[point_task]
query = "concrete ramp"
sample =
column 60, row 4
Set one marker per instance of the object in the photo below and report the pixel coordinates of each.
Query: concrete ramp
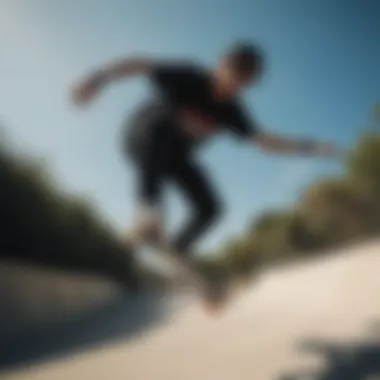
column 316, row 320
column 31, row 294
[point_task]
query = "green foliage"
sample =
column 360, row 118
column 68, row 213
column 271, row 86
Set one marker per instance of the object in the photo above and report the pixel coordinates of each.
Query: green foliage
column 337, row 210
column 331, row 212
column 364, row 164
column 42, row 224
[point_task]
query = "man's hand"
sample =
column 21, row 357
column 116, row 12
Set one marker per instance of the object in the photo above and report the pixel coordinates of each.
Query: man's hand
column 84, row 92
column 328, row 150
column 281, row 145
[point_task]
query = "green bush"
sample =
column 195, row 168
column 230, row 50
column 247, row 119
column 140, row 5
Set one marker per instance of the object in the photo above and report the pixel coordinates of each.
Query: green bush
column 331, row 212
column 42, row 224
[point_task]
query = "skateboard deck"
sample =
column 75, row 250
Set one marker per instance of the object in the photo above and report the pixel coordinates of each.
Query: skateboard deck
column 212, row 293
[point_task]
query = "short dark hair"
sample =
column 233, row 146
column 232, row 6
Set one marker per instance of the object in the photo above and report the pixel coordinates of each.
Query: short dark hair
column 246, row 58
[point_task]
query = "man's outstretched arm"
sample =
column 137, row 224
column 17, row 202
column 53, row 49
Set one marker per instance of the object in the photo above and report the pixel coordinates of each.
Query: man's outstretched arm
column 277, row 144
column 90, row 86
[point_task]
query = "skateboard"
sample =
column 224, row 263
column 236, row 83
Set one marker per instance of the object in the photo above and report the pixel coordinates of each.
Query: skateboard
column 214, row 293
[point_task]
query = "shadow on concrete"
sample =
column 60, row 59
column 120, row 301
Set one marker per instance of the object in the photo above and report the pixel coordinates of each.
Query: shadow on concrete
column 121, row 318
column 359, row 360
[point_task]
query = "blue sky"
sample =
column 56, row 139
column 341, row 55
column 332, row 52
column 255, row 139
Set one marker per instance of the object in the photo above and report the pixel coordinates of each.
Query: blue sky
column 323, row 78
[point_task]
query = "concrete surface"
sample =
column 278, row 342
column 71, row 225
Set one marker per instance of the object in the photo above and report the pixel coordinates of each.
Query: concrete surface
column 317, row 319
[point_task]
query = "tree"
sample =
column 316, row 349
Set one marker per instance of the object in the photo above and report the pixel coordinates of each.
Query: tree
column 42, row 224
column 330, row 212
column 337, row 210
column 364, row 165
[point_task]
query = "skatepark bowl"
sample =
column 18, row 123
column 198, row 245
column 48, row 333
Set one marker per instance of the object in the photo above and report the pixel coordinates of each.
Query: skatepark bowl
column 313, row 319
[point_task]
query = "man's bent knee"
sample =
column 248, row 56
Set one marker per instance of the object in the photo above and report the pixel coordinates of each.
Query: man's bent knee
column 210, row 212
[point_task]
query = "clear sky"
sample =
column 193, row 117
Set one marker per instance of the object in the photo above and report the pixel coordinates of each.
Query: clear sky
column 323, row 77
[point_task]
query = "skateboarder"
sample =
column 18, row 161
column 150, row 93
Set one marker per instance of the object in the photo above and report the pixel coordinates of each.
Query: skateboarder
column 191, row 104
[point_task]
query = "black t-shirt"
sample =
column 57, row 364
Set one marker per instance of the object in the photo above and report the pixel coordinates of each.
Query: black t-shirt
column 189, row 87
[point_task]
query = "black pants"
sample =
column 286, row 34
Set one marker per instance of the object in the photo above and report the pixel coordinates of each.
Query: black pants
column 162, row 154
